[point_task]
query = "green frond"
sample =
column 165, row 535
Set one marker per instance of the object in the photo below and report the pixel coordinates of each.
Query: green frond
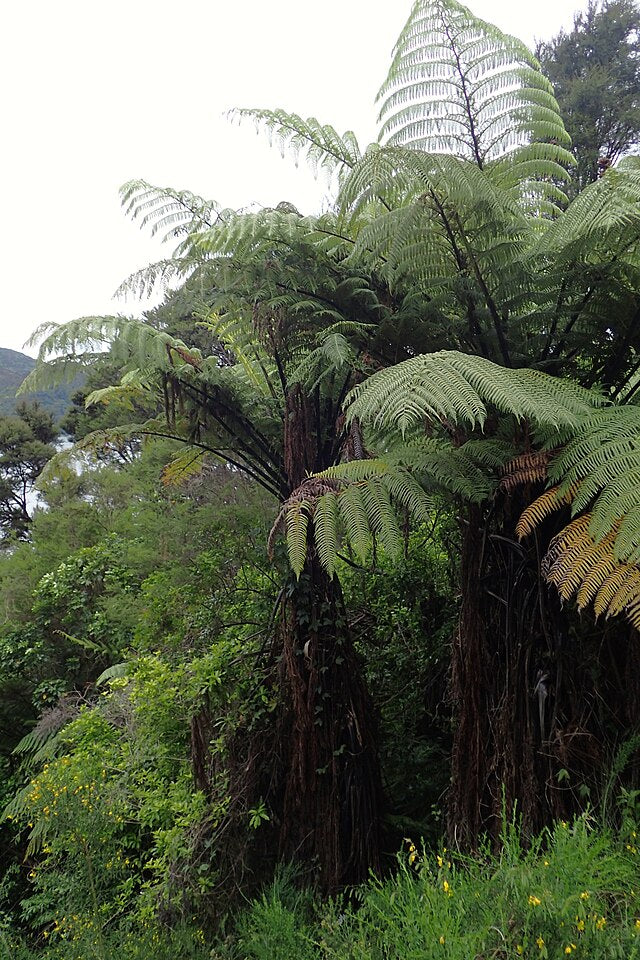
column 438, row 465
column 601, row 466
column 114, row 672
column 136, row 344
column 322, row 147
column 355, row 520
column 125, row 393
column 458, row 85
column 237, row 332
column 353, row 502
column 156, row 277
column 174, row 214
column 297, row 523
column 455, row 387
column 333, row 353
column 383, row 520
column 605, row 216
column 325, row 529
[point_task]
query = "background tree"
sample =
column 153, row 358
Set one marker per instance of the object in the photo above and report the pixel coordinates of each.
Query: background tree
column 595, row 72
column 25, row 447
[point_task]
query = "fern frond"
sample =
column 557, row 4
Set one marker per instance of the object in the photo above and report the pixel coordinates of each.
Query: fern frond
column 601, row 468
column 525, row 468
column 325, row 526
column 175, row 214
column 297, row 522
column 157, row 276
column 459, row 85
column 621, row 578
column 541, row 508
column 356, row 500
column 182, row 467
column 322, row 147
column 581, row 567
column 459, row 388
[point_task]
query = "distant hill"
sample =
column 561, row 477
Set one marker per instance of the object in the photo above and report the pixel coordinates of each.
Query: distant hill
column 14, row 367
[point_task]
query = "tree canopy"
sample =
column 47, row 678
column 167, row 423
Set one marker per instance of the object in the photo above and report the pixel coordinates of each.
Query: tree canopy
column 595, row 72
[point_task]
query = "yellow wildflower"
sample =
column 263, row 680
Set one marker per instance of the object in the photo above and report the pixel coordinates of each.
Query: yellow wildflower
column 534, row 901
column 540, row 942
column 441, row 940
column 584, row 895
column 570, row 948
column 601, row 923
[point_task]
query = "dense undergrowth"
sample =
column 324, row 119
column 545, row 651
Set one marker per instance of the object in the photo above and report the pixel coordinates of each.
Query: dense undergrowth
column 136, row 671
column 575, row 891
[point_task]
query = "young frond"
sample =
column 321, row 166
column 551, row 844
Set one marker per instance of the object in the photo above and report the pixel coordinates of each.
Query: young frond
column 333, row 353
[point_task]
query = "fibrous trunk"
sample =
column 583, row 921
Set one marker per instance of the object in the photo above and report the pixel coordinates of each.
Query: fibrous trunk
column 542, row 698
column 331, row 807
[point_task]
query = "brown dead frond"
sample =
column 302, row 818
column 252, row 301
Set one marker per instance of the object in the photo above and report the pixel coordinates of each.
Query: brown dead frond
column 541, row 508
column 526, row 468
column 581, row 567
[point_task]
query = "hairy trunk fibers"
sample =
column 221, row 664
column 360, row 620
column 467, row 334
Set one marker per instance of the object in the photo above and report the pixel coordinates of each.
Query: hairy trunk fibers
column 331, row 806
column 542, row 698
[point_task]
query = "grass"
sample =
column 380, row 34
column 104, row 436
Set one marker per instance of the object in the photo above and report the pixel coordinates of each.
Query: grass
column 574, row 893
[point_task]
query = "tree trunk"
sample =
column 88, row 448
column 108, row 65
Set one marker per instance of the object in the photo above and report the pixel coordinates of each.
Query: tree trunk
column 542, row 698
column 331, row 805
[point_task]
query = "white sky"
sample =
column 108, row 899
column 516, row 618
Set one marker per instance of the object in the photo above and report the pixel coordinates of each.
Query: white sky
column 96, row 93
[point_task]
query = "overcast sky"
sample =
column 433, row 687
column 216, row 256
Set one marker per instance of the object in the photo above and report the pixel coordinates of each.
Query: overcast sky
column 93, row 94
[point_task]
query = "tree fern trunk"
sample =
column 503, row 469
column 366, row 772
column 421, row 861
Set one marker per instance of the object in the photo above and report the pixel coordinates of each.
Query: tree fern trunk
column 331, row 805
column 542, row 698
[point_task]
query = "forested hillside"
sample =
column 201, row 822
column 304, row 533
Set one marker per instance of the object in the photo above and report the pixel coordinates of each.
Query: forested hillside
column 323, row 639
column 14, row 367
